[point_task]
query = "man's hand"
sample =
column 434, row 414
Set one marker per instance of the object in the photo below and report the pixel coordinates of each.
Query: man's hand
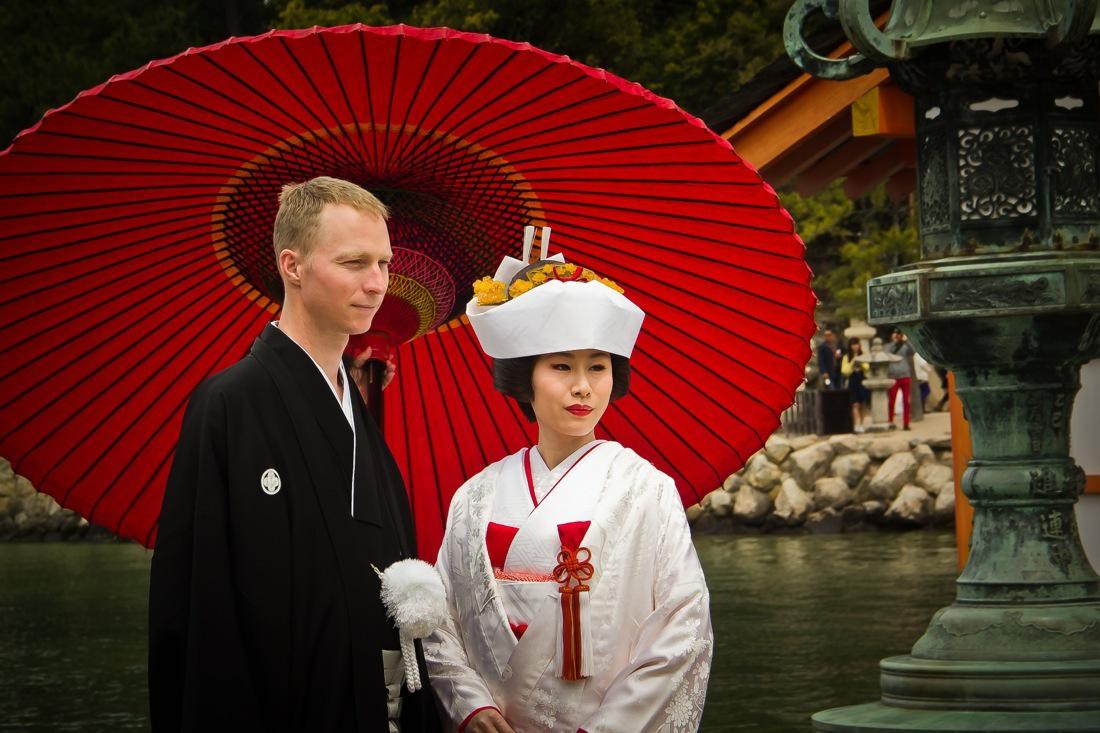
column 359, row 372
column 488, row 721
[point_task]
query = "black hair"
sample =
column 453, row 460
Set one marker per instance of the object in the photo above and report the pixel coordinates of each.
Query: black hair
column 513, row 378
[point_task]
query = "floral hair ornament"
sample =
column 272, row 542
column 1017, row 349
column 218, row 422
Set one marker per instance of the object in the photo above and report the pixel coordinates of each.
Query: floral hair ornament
column 550, row 306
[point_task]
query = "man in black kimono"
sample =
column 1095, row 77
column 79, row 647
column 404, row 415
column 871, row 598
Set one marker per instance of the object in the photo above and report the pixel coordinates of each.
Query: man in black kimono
column 265, row 614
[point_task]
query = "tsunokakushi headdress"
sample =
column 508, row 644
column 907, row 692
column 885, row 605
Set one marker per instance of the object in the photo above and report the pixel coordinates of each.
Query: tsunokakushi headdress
column 550, row 306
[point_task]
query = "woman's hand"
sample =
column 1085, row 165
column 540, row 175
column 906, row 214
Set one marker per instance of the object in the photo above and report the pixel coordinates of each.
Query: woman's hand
column 488, row 721
column 358, row 372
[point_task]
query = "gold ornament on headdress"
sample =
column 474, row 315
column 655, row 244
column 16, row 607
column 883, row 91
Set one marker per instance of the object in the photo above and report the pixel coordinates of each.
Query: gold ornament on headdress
column 488, row 291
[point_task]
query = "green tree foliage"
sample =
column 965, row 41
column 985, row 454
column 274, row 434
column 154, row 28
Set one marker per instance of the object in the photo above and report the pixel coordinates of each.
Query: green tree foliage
column 692, row 51
column 849, row 242
column 53, row 50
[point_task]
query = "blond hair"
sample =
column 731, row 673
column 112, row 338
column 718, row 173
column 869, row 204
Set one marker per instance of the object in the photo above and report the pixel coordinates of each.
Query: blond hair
column 300, row 206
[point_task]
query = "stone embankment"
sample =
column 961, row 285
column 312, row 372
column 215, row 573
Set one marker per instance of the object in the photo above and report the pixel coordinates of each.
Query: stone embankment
column 842, row 483
column 26, row 515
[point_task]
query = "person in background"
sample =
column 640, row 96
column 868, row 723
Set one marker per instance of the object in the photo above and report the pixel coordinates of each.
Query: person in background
column 828, row 354
column 901, row 372
column 853, row 373
column 922, row 369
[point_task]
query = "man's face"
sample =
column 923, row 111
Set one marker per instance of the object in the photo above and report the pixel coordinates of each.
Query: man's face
column 830, row 338
column 344, row 277
column 896, row 335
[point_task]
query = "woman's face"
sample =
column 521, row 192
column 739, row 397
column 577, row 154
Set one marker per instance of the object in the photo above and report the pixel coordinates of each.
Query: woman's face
column 571, row 391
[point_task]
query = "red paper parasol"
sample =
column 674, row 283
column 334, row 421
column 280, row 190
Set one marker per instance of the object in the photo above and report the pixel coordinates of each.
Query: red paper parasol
column 136, row 253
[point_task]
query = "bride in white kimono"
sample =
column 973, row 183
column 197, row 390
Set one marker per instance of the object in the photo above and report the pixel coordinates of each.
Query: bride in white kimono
column 576, row 599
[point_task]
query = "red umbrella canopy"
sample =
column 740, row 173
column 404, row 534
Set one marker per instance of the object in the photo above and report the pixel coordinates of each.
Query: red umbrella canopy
column 137, row 256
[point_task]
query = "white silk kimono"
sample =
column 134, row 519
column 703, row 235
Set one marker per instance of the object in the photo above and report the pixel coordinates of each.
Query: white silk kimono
column 648, row 610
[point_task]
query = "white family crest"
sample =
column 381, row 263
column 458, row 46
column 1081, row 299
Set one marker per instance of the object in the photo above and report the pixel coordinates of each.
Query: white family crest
column 270, row 482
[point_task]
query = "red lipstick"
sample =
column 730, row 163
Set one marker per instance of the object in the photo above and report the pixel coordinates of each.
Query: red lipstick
column 579, row 410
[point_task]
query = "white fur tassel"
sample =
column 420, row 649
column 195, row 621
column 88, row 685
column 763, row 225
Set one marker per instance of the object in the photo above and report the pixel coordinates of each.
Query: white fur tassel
column 415, row 599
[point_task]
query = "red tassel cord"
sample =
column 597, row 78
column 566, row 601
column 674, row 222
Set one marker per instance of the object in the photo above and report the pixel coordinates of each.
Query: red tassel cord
column 573, row 570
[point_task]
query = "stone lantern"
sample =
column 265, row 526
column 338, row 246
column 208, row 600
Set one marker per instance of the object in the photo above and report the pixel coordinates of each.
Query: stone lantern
column 860, row 330
column 1007, row 296
column 878, row 383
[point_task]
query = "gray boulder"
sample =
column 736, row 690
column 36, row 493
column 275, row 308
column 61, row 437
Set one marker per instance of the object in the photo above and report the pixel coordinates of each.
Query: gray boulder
column 825, row 521
column 943, row 511
column 792, row 504
column 851, row 467
column 809, row 464
column 911, row 508
column 761, row 473
column 777, row 448
column 873, row 510
column 923, row 453
column 832, row 492
column 885, row 447
column 751, row 506
column 720, row 503
column 896, row 471
column 847, row 443
column 802, row 441
column 934, row 477
column 733, row 482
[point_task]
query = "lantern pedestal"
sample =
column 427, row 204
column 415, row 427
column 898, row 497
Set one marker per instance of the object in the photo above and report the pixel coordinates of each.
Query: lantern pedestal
column 1007, row 296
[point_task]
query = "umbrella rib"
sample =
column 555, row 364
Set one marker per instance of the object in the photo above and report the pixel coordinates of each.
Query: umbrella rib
column 453, row 430
column 162, row 131
column 491, row 102
column 721, row 378
column 487, row 363
column 389, row 104
column 138, row 144
column 73, row 243
column 577, row 218
column 699, row 273
column 229, row 303
column 329, row 155
column 477, row 390
column 686, row 443
column 279, row 80
column 309, row 80
column 651, row 197
column 96, row 287
column 739, row 312
column 406, row 434
column 677, row 217
column 113, row 337
column 446, row 85
column 434, row 141
column 404, row 141
column 370, row 102
column 696, row 388
column 344, row 93
column 428, row 432
column 501, row 145
column 108, row 189
column 164, row 424
column 109, row 205
column 519, row 107
column 195, row 105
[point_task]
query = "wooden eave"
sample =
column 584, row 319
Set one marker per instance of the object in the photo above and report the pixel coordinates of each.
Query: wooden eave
column 802, row 136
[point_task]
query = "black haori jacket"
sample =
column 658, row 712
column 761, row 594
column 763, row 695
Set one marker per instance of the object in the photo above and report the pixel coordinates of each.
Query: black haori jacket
column 264, row 612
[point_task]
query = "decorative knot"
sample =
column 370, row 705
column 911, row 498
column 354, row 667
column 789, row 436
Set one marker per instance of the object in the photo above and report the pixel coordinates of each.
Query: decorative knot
column 573, row 565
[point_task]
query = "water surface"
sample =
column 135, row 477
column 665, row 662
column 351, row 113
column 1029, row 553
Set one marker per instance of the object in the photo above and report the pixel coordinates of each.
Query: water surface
column 800, row 623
